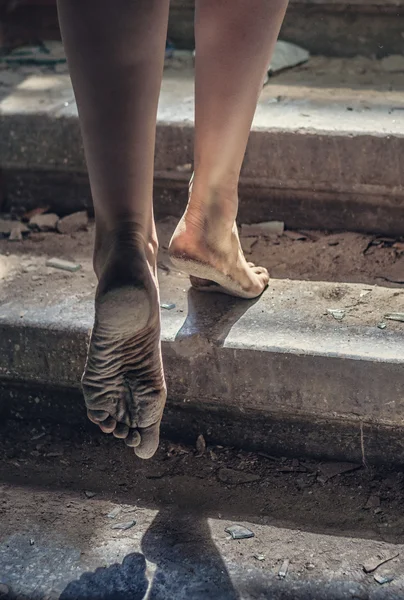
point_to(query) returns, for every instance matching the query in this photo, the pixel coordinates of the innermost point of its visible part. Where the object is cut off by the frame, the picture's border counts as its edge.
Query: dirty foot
(212, 255)
(123, 381)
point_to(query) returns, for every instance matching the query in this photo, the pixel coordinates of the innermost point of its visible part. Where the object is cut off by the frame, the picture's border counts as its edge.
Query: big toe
(149, 441)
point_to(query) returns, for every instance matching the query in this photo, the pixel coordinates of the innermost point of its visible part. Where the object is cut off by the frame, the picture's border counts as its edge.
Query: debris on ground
(73, 223)
(374, 562)
(382, 325)
(44, 222)
(287, 55)
(187, 168)
(124, 526)
(234, 477)
(337, 313)
(265, 229)
(64, 265)
(7, 226)
(331, 469)
(399, 316)
(372, 502)
(238, 532)
(89, 494)
(167, 305)
(382, 579)
(393, 63)
(283, 571)
(45, 53)
(259, 557)
(114, 512)
(15, 234)
(200, 445)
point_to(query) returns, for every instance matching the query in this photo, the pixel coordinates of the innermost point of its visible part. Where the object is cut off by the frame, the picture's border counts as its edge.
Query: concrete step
(58, 486)
(325, 152)
(330, 27)
(280, 374)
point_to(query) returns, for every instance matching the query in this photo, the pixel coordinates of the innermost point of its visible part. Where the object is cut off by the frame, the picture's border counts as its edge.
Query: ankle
(213, 203)
(124, 237)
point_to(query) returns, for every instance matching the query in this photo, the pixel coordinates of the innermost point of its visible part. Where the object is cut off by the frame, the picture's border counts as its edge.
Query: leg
(115, 52)
(234, 42)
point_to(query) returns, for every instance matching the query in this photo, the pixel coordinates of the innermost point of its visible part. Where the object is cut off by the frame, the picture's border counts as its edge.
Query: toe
(96, 416)
(261, 271)
(121, 431)
(108, 425)
(149, 441)
(133, 438)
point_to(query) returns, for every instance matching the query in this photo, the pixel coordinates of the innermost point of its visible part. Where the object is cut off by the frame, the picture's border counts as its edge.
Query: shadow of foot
(188, 564)
(117, 582)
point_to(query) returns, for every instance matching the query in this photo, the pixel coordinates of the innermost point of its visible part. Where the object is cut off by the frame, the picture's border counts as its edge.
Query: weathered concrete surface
(310, 161)
(279, 373)
(330, 27)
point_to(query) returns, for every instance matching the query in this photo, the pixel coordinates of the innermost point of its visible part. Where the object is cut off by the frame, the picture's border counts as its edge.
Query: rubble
(265, 229)
(72, 223)
(44, 222)
(233, 477)
(64, 265)
(238, 532)
(283, 571)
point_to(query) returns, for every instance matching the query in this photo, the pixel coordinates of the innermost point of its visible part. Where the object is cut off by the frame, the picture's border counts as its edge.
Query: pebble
(72, 223)
(44, 222)
(64, 265)
(124, 526)
(283, 571)
(234, 477)
(89, 494)
(238, 532)
(114, 512)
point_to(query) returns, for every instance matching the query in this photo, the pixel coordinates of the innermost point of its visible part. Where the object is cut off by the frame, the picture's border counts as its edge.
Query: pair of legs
(116, 52)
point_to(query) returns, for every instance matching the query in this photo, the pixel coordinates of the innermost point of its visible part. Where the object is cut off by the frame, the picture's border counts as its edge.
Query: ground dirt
(59, 484)
(306, 255)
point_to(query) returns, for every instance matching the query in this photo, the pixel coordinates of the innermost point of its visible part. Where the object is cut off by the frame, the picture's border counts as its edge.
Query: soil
(306, 255)
(46, 471)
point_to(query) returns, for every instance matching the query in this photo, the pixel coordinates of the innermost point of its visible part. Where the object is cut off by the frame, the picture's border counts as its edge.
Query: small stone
(15, 234)
(124, 526)
(44, 222)
(89, 494)
(382, 579)
(167, 306)
(234, 477)
(238, 532)
(337, 313)
(72, 223)
(200, 444)
(309, 566)
(393, 63)
(31, 542)
(283, 571)
(186, 168)
(399, 316)
(382, 325)
(265, 229)
(372, 502)
(259, 557)
(64, 265)
(378, 511)
(331, 469)
(114, 512)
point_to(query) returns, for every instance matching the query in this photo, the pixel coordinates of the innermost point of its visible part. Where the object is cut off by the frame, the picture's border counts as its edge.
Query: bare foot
(209, 250)
(123, 382)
